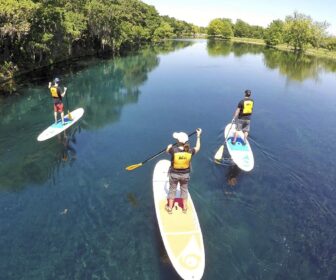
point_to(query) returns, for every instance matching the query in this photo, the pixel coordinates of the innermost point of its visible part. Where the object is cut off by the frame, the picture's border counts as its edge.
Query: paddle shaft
(66, 99)
(220, 152)
(227, 136)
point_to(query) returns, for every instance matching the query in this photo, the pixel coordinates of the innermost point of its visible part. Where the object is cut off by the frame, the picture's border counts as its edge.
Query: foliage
(274, 33)
(36, 33)
(163, 31)
(329, 43)
(180, 28)
(220, 28)
(300, 31)
(241, 29)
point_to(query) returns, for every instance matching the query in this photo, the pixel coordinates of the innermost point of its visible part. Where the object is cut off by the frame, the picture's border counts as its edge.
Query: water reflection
(102, 90)
(33, 162)
(67, 143)
(219, 48)
(296, 67)
(232, 175)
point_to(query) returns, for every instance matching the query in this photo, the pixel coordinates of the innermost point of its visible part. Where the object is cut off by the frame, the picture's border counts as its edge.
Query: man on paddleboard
(243, 116)
(179, 171)
(57, 94)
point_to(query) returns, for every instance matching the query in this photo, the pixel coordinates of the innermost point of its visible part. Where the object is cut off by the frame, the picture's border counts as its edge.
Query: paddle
(220, 151)
(134, 166)
(69, 114)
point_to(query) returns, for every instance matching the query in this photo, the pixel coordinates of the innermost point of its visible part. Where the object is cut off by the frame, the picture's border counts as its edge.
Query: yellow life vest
(248, 107)
(181, 160)
(53, 92)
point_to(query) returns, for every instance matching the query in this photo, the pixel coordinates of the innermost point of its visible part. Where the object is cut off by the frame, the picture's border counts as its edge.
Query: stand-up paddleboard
(241, 154)
(181, 232)
(57, 128)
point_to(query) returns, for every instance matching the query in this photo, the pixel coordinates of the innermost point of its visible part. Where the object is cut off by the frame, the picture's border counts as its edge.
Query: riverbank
(323, 53)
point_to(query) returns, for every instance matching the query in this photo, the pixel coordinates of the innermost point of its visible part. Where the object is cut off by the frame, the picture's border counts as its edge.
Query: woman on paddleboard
(179, 171)
(57, 94)
(243, 116)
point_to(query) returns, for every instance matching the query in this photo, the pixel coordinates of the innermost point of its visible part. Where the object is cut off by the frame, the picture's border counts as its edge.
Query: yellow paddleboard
(181, 233)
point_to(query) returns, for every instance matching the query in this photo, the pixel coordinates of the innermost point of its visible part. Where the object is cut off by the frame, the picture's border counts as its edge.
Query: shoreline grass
(323, 53)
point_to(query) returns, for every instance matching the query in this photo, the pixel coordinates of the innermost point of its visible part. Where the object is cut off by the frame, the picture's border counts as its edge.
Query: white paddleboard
(241, 154)
(57, 128)
(181, 232)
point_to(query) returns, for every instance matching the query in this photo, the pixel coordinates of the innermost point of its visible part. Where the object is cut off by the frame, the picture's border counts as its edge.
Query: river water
(70, 210)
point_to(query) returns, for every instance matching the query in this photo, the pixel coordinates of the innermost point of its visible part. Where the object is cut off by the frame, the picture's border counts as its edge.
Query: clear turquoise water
(69, 210)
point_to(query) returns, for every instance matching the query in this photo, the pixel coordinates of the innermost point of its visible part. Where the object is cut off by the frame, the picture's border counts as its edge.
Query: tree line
(298, 31)
(36, 33)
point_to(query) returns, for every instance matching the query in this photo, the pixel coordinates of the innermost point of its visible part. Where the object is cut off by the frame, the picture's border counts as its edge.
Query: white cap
(181, 137)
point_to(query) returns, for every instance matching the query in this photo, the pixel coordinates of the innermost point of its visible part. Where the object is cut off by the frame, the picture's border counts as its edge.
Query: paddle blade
(134, 166)
(69, 116)
(219, 153)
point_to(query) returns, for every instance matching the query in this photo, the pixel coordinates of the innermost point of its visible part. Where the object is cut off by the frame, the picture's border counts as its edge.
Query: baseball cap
(181, 137)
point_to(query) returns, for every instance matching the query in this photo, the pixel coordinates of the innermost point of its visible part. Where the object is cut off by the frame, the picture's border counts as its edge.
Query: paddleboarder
(57, 94)
(242, 116)
(179, 171)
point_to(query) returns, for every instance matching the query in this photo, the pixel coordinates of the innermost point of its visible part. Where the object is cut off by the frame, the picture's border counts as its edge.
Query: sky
(258, 12)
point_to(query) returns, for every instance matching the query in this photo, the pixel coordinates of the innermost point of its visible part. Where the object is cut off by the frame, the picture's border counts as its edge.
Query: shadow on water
(296, 67)
(102, 90)
(26, 164)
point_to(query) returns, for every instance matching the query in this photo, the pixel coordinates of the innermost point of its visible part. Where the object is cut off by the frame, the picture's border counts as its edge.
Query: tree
(274, 33)
(221, 28)
(319, 33)
(216, 27)
(227, 30)
(163, 31)
(300, 31)
(256, 32)
(241, 29)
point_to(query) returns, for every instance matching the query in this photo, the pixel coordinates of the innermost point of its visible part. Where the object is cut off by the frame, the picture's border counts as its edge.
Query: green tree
(163, 31)
(216, 27)
(319, 33)
(274, 33)
(241, 29)
(300, 31)
(36, 33)
(256, 32)
(227, 31)
(220, 28)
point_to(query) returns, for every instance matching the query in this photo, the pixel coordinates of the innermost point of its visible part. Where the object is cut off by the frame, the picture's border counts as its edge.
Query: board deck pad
(241, 154)
(181, 232)
(58, 127)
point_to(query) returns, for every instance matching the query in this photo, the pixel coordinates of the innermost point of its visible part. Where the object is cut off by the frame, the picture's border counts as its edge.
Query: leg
(246, 129)
(60, 110)
(238, 128)
(62, 116)
(235, 137)
(184, 182)
(55, 116)
(55, 113)
(245, 136)
(172, 191)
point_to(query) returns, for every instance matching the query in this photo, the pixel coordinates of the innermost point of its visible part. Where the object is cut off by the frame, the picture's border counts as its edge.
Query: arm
(236, 113)
(49, 85)
(198, 141)
(65, 89)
